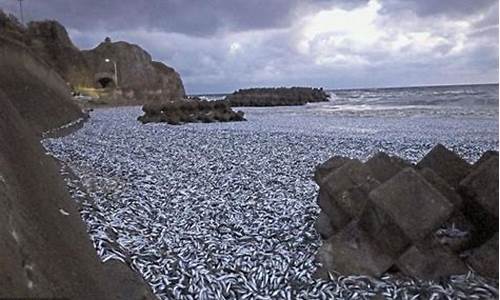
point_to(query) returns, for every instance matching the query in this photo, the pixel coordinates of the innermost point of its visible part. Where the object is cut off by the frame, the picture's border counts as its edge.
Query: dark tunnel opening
(106, 82)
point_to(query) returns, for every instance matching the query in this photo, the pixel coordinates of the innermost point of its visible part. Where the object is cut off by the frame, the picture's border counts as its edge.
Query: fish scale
(226, 211)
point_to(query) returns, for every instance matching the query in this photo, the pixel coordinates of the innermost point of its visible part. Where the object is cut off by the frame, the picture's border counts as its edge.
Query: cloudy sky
(222, 45)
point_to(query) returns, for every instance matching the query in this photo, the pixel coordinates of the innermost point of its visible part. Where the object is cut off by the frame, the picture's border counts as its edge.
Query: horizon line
(356, 88)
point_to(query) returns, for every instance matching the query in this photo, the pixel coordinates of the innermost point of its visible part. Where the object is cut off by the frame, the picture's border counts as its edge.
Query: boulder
(352, 251)
(383, 166)
(428, 259)
(324, 169)
(407, 202)
(484, 259)
(451, 167)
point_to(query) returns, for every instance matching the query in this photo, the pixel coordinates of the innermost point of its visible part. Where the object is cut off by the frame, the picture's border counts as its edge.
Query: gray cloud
(192, 17)
(220, 46)
(439, 7)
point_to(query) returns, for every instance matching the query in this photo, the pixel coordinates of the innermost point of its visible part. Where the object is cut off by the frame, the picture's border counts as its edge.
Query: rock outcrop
(190, 111)
(276, 96)
(136, 80)
(428, 220)
(45, 251)
(39, 94)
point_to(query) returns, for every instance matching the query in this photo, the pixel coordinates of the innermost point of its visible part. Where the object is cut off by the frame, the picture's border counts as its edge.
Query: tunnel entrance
(106, 82)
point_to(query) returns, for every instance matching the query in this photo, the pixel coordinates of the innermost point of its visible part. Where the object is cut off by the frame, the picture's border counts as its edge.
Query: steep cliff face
(50, 41)
(37, 92)
(138, 76)
(36, 89)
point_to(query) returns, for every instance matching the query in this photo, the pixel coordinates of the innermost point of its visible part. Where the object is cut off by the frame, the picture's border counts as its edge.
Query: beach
(228, 209)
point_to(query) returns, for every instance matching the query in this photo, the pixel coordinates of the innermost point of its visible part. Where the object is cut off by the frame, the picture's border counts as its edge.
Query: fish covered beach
(227, 210)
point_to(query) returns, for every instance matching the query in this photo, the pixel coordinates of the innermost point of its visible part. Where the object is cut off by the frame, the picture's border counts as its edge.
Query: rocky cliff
(38, 93)
(45, 251)
(137, 80)
(138, 76)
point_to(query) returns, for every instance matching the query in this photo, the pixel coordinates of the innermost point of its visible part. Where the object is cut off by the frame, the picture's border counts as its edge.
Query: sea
(480, 100)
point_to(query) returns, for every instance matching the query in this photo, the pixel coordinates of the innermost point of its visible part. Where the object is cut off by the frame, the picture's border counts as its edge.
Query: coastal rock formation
(136, 80)
(276, 96)
(45, 250)
(427, 220)
(190, 111)
(139, 79)
(38, 93)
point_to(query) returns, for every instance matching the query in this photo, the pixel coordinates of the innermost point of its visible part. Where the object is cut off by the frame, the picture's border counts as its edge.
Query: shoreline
(189, 195)
(68, 128)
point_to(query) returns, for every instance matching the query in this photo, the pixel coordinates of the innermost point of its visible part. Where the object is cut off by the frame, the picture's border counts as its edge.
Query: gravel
(226, 211)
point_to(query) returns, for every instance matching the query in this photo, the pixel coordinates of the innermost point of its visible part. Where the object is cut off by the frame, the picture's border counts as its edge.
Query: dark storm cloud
(197, 17)
(223, 45)
(439, 7)
(192, 17)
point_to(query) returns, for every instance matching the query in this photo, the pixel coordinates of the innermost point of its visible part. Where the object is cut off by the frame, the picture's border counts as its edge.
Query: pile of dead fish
(227, 210)
(429, 220)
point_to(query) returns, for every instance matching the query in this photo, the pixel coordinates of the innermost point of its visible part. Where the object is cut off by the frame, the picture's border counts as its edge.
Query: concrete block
(481, 185)
(352, 252)
(349, 185)
(484, 259)
(324, 169)
(323, 226)
(338, 217)
(486, 155)
(451, 167)
(428, 259)
(480, 193)
(383, 166)
(416, 206)
(456, 233)
(385, 231)
(442, 186)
